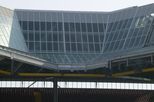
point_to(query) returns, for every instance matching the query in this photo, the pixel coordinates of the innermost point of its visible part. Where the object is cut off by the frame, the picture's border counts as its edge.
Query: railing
(87, 85)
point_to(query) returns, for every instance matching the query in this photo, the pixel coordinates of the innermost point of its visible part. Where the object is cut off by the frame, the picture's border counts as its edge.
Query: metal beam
(5, 72)
(55, 88)
(123, 73)
(59, 75)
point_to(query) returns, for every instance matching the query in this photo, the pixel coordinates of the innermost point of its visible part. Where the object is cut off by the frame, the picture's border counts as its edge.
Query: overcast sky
(74, 5)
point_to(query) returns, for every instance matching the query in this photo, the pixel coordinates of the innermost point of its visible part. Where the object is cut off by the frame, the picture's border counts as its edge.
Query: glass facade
(71, 37)
(74, 37)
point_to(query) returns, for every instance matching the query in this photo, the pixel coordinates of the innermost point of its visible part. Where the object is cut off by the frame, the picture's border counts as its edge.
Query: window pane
(48, 26)
(72, 37)
(31, 46)
(55, 37)
(43, 46)
(49, 36)
(37, 36)
(60, 28)
(61, 46)
(43, 36)
(67, 38)
(85, 47)
(54, 26)
(95, 27)
(84, 36)
(101, 28)
(67, 46)
(89, 27)
(37, 26)
(83, 27)
(42, 26)
(78, 27)
(37, 46)
(97, 47)
(49, 46)
(96, 38)
(79, 46)
(91, 47)
(73, 46)
(25, 25)
(60, 36)
(72, 27)
(30, 25)
(78, 37)
(66, 26)
(31, 36)
(90, 37)
(55, 46)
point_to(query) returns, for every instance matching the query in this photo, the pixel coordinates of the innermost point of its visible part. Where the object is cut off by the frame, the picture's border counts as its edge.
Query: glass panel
(31, 46)
(43, 46)
(67, 38)
(61, 46)
(43, 36)
(96, 38)
(60, 36)
(37, 36)
(55, 37)
(72, 37)
(37, 26)
(85, 47)
(48, 26)
(79, 46)
(73, 46)
(42, 26)
(101, 28)
(78, 27)
(78, 37)
(83, 27)
(30, 24)
(91, 47)
(67, 46)
(49, 36)
(37, 46)
(72, 27)
(60, 28)
(31, 36)
(55, 46)
(95, 27)
(97, 47)
(84, 36)
(54, 26)
(25, 25)
(89, 27)
(66, 26)
(49, 46)
(90, 37)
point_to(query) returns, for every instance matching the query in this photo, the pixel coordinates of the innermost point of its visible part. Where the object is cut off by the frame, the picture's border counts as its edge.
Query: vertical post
(55, 90)
(37, 97)
(12, 66)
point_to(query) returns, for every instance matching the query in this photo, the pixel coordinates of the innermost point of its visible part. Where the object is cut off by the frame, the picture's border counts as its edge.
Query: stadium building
(74, 49)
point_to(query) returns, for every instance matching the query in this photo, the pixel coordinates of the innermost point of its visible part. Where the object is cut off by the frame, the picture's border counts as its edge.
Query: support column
(12, 66)
(55, 90)
(37, 97)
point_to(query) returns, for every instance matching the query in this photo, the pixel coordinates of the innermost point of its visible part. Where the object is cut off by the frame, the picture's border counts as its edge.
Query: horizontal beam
(148, 70)
(5, 72)
(123, 73)
(59, 75)
(73, 74)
